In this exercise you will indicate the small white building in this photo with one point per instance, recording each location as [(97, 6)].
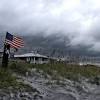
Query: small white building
[(32, 58)]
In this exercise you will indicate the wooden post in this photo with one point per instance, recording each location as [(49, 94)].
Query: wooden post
[(5, 55)]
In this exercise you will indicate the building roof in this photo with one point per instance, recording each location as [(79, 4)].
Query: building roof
[(30, 55)]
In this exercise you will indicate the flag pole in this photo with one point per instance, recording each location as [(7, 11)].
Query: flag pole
[(6, 52)]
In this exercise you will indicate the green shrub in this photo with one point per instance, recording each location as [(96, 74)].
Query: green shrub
[(19, 68), (6, 79)]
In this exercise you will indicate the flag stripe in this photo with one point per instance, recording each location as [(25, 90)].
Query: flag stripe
[(19, 42), (19, 39), (13, 44), (9, 42)]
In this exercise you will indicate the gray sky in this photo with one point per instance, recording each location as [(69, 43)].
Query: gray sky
[(77, 19)]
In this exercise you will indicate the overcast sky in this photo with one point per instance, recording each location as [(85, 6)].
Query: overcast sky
[(77, 19)]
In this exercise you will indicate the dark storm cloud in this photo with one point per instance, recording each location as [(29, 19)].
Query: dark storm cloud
[(77, 19)]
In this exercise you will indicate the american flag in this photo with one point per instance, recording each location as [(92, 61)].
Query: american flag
[(14, 41)]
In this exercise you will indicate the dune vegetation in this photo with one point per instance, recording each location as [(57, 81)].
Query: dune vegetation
[(56, 70)]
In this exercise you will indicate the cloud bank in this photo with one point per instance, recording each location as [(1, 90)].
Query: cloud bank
[(77, 19)]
